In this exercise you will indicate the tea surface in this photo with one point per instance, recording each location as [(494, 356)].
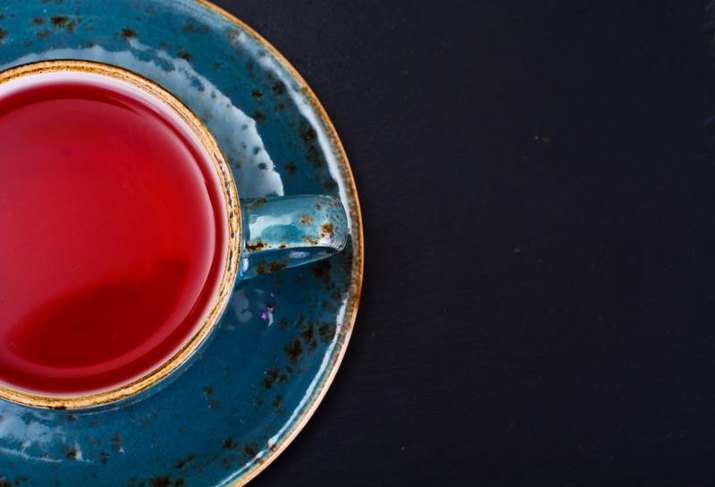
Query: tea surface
[(111, 236)]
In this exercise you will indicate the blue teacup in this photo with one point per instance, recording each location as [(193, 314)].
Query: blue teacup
[(265, 235)]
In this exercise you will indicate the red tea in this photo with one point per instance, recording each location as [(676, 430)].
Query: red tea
[(112, 234)]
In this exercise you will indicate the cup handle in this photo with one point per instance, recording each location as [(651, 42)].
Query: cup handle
[(288, 231)]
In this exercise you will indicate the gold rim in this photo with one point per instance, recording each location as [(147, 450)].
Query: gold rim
[(358, 247), (223, 171)]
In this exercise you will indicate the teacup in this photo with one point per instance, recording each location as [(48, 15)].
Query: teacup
[(122, 235)]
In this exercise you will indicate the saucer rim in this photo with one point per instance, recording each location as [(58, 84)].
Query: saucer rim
[(358, 247)]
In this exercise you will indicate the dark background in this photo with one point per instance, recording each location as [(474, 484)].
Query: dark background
[(537, 184)]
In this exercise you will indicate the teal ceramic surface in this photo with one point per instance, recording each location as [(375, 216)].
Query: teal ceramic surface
[(281, 339), (288, 231)]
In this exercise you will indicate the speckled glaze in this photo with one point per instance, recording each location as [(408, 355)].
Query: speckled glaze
[(287, 231), (283, 335)]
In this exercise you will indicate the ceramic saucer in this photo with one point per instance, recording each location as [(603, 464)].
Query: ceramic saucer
[(283, 337)]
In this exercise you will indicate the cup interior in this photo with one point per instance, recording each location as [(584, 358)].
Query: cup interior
[(133, 248)]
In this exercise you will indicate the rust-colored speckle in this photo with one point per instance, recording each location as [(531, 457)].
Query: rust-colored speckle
[(251, 450), (257, 94), (227, 462), (3, 34), (258, 202), (309, 134), (63, 22), (128, 33), (259, 117), (294, 350), (276, 403), (310, 240), (291, 168), (104, 457), (314, 156), (160, 482), (306, 219), (14, 483), (253, 247), (278, 266), (282, 246), (191, 27), (60, 20), (72, 453), (229, 444), (261, 269), (307, 334), (38, 21), (271, 377), (327, 230), (43, 34), (180, 464), (233, 35), (279, 88), (321, 270), (209, 390), (330, 184), (185, 55)]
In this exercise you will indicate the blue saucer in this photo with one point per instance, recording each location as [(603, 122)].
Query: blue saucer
[(283, 337)]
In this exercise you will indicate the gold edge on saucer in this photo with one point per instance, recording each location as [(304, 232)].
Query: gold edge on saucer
[(233, 212), (358, 249)]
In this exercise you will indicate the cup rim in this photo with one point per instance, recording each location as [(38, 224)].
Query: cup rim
[(232, 208)]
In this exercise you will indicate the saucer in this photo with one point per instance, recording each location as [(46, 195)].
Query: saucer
[(283, 336)]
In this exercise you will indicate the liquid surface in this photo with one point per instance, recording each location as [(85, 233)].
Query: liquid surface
[(111, 233)]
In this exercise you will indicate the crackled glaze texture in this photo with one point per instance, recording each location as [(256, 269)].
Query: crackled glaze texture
[(283, 335)]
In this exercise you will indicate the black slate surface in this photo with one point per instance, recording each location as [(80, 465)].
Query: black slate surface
[(537, 185)]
